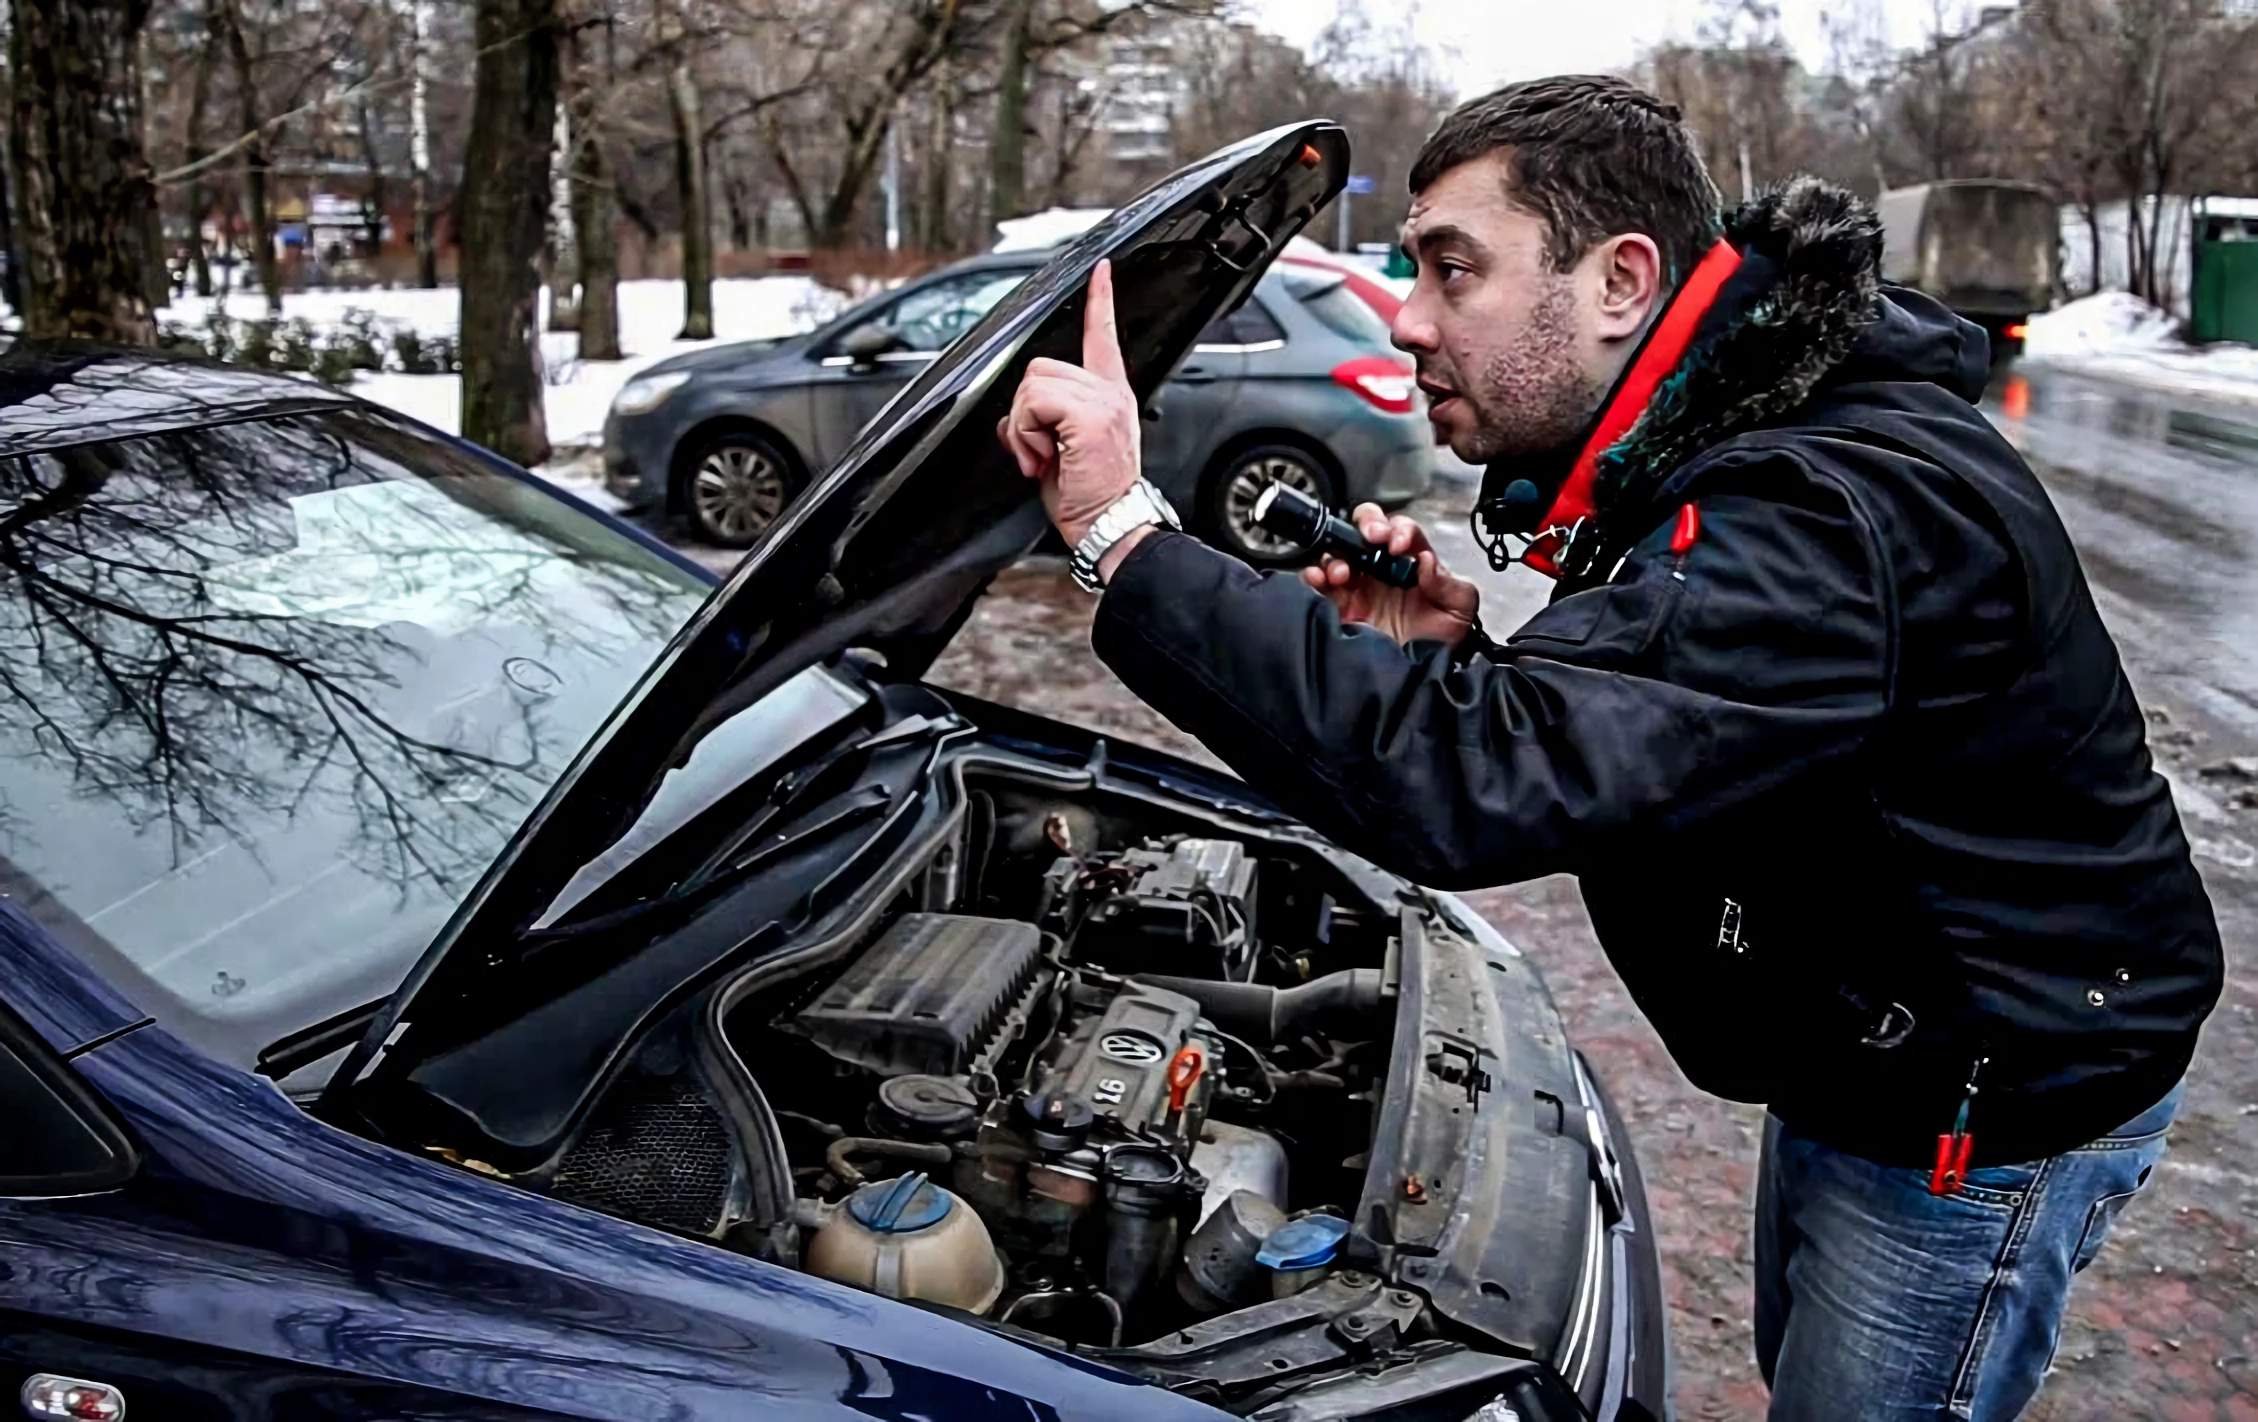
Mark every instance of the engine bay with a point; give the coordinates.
(1091, 1077)
(1095, 1080)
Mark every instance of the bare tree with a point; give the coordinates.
(82, 183)
(856, 64)
(199, 193)
(691, 188)
(2142, 101)
(561, 263)
(505, 204)
(594, 201)
(1007, 149)
(251, 149)
(419, 142)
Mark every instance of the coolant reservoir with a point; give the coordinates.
(908, 1238)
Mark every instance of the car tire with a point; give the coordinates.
(735, 484)
(1228, 495)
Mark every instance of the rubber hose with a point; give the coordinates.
(916, 1152)
(1266, 1014)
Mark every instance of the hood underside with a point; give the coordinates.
(888, 550)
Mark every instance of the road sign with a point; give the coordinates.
(1359, 185)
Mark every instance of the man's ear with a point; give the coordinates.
(1628, 269)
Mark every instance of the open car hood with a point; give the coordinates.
(889, 549)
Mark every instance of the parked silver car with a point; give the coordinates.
(1298, 386)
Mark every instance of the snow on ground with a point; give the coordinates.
(2120, 337)
(579, 392)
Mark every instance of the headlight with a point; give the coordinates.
(648, 392)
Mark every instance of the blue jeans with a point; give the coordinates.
(1876, 1299)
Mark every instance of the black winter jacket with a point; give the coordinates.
(1855, 786)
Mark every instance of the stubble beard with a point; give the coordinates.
(1534, 398)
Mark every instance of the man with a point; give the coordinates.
(1821, 714)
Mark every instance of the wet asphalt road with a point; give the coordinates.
(2161, 496)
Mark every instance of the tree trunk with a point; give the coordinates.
(739, 199)
(697, 219)
(866, 142)
(254, 159)
(504, 206)
(562, 260)
(2136, 275)
(156, 269)
(593, 204)
(2159, 269)
(199, 196)
(939, 147)
(419, 145)
(12, 273)
(373, 204)
(2092, 210)
(82, 183)
(1007, 151)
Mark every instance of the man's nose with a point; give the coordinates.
(1411, 331)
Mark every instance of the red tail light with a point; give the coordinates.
(1385, 384)
(2016, 332)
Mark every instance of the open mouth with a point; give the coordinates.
(1438, 396)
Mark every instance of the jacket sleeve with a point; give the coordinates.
(1680, 688)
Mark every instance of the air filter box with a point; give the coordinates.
(925, 995)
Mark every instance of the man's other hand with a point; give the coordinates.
(1076, 428)
(1440, 609)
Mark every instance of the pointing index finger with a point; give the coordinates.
(1101, 338)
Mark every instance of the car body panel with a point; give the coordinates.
(65, 1005)
(264, 1265)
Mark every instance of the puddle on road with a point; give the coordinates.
(2127, 412)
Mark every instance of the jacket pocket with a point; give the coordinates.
(1614, 623)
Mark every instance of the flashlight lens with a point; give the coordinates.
(1290, 513)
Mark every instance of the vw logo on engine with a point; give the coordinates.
(1130, 1047)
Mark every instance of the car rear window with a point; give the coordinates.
(1346, 314)
(1250, 325)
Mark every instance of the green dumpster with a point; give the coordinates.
(2225, 304)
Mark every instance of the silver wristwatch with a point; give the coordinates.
(1141, 505)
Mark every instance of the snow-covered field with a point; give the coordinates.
(579, 392)
(2121, 337)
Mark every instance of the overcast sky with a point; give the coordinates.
(1483, 43)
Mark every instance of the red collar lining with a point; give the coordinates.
(1672, 335)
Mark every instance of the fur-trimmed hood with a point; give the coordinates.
(1805, 307)
(1809, 285)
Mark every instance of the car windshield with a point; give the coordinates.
(928, 319)
(274, 693)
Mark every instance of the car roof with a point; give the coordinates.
(57, 394)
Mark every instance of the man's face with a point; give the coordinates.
(1508, 349)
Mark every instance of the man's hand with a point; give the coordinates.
(1076, 428)
(1440, 609)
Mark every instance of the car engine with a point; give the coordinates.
(1067, 1120)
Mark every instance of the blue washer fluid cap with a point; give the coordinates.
(1303, 1244)
(903, 1205)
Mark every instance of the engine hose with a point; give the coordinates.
(1265, 1014)
(915, 1152)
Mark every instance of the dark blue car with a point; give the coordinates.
(457, 962)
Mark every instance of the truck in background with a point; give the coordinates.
(1989, 249)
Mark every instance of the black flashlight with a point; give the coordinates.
(1298, 518)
